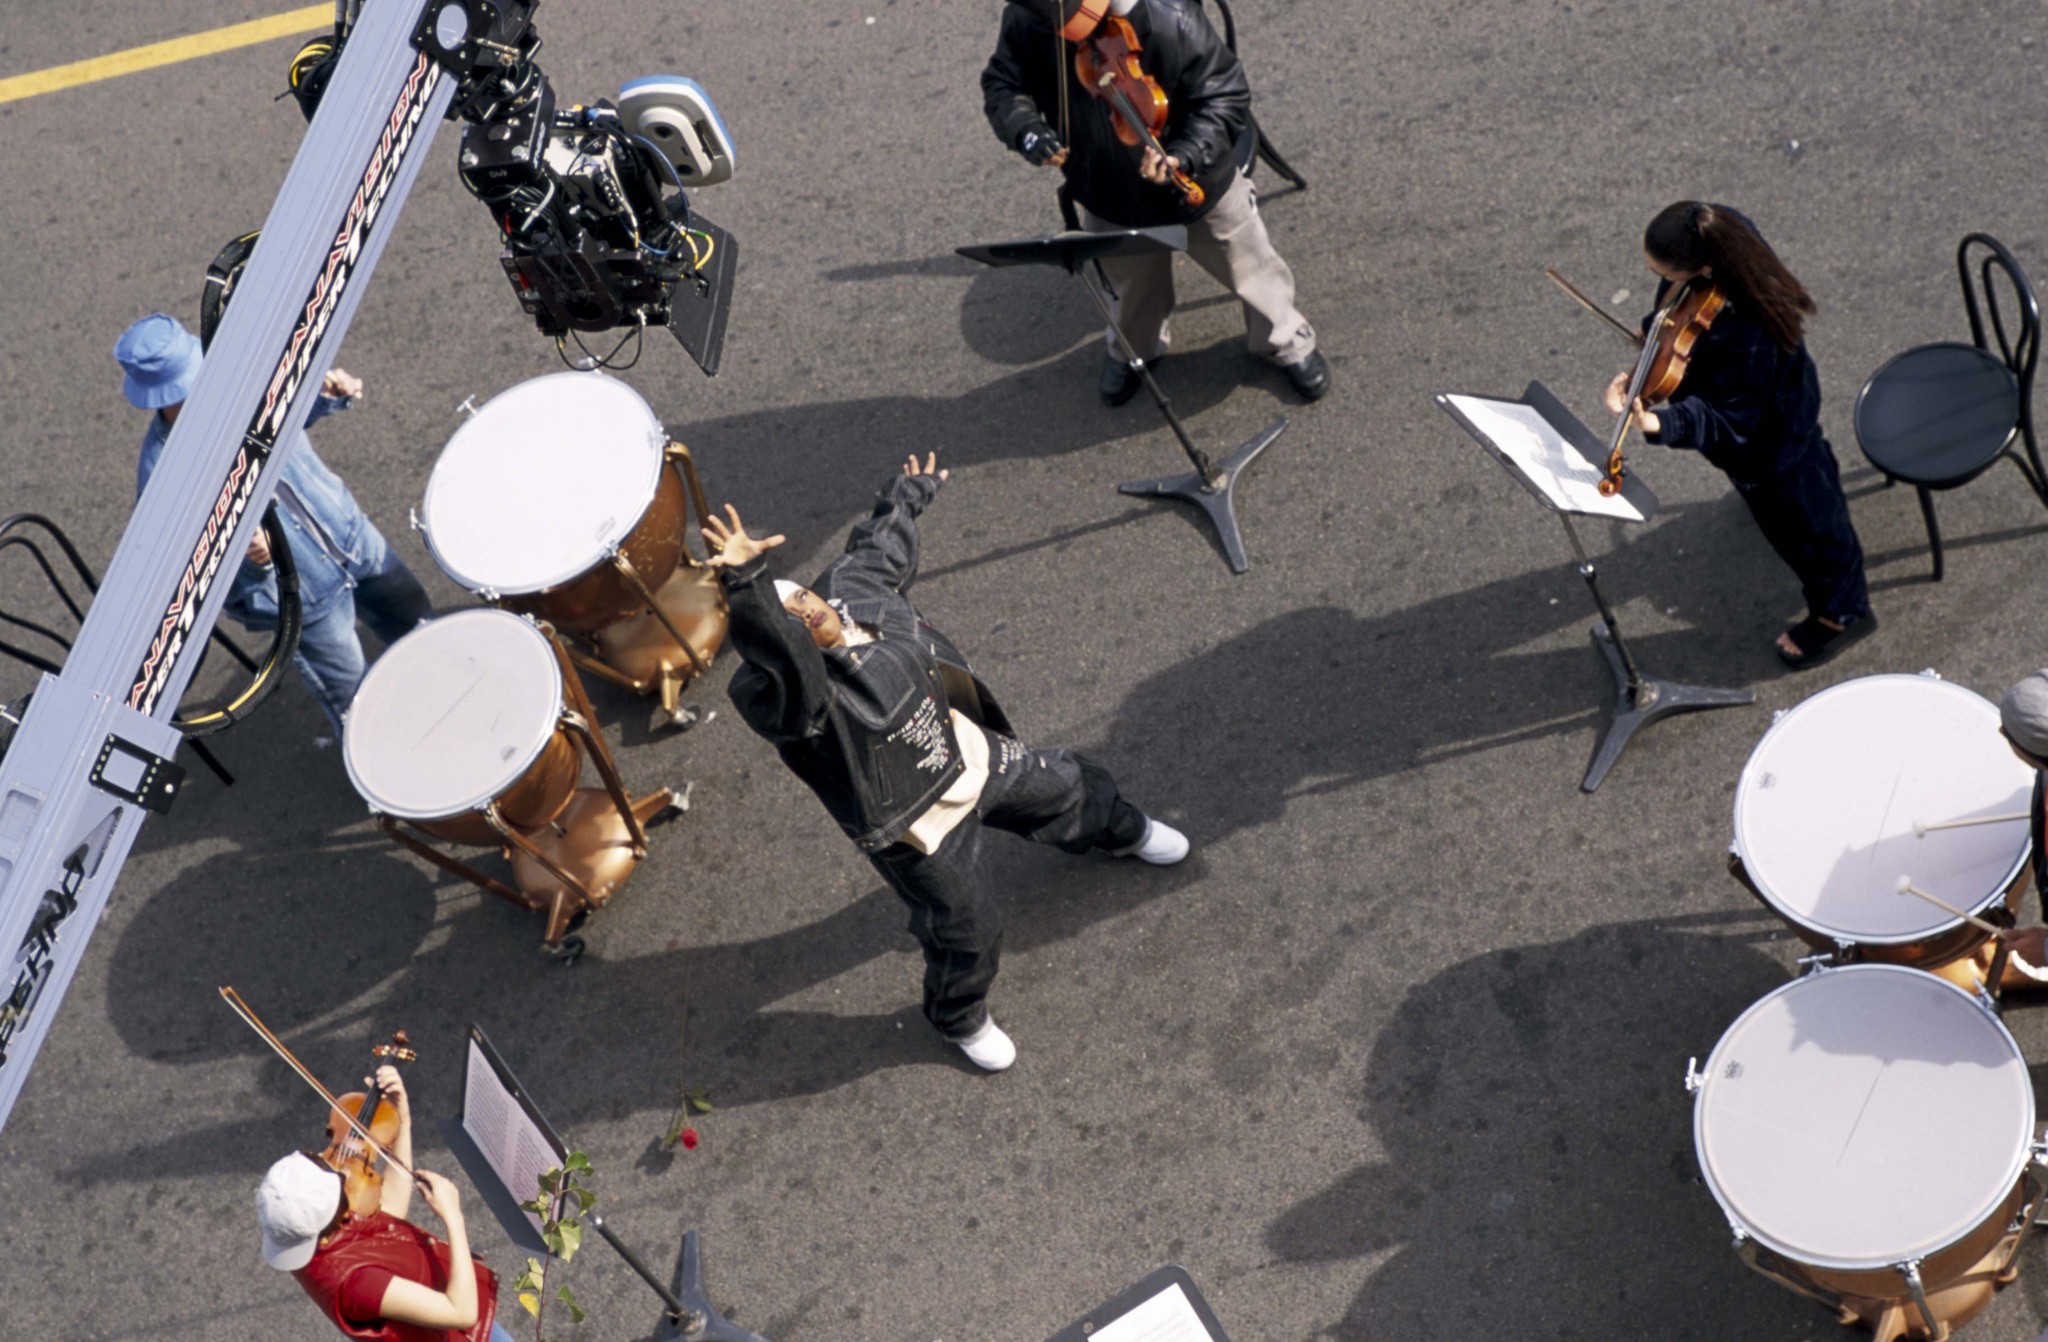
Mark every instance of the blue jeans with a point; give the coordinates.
(330, 656)
(500, 1334)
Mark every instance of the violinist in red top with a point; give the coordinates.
(375, 1274)
(1042, 93)
(1749, 402)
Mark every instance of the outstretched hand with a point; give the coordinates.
(731, 546)
(930, 467)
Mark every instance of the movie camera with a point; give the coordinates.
(599, 235)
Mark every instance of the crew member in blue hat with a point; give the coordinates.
(346, 569)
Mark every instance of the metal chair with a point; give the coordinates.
(19, 531)
(1938, 416)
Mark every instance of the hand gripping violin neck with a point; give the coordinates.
(361, 1126)
(1108, 65)
(1666, 353)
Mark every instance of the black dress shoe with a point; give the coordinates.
(1119, 381)
(1310, 377)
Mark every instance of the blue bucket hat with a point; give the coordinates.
(161, 360)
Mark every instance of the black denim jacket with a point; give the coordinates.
(1208, 120)
(867, 728)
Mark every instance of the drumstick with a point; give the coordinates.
(1921, 827)
(1906, 887)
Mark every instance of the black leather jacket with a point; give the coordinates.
(867, 728)
(1208, 127)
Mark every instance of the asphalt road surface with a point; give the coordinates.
(1398, 1052)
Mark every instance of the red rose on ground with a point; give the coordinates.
(689, 1139)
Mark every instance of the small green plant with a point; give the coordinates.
(561, 1205)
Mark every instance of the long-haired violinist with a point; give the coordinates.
(1044, 94)
(1749, 403)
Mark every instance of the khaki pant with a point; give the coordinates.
(1229, 242)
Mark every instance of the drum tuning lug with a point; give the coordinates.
(413, 515)
(1778, 715)
(1694, 1077)
(1818, 963)
(1930, 673)
(468, 405)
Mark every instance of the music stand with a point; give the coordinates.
(1212, 487)
(1165, 1307)
(1543, 445)
(505, 1146)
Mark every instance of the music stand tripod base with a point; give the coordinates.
(1650, 699)
(1211, 487)
(1217, 497)
(701, 1322)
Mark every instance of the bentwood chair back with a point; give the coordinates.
(1938, 416)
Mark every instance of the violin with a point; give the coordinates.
(1666, 353)
(1107, 63)
(350, 1156)
(355, 1141)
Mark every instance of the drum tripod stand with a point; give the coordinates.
(574, 863)
(674, 639)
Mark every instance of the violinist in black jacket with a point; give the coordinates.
(882, 717)
(1037, 106)
(1750, 404)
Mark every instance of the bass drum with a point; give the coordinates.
(534, 496)
(463, 714)
(1832, 808)
(1862, 1119)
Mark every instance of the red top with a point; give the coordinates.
(348, 1275)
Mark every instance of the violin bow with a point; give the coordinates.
(1633, 337)
(241, 1008)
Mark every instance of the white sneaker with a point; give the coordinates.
(989, 1048)
(1162, 846)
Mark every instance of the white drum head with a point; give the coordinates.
(452, 714)
(1825, 811)
(1863, 1117)
(539, 485)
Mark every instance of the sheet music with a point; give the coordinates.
(517, 1150)
(1166, 1317)
(1544, 458)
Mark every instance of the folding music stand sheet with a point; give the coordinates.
(502, 1141)
(1165, 1307)
(1553, 454)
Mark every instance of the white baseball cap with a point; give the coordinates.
(294, 1204)
(785, 589)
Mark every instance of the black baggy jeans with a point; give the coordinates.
(1048, 796)
(1804, 514)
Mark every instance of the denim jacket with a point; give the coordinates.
(867, 728)
(333, 542)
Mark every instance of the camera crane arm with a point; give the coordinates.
(92, 754)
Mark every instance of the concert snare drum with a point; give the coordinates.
(534, 497)
(1860, 1120)
(1827, 809)
(463, 713)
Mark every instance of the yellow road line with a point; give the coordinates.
(166, 53)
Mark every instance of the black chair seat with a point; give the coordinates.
(1938, 415)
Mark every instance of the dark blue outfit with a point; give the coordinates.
(1752, 408)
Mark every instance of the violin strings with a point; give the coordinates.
(241, 1008)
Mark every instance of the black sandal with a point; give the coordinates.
(1819, 643)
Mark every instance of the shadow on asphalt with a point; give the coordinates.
(1342, 699)
(1538, 1177)
(323, 934)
